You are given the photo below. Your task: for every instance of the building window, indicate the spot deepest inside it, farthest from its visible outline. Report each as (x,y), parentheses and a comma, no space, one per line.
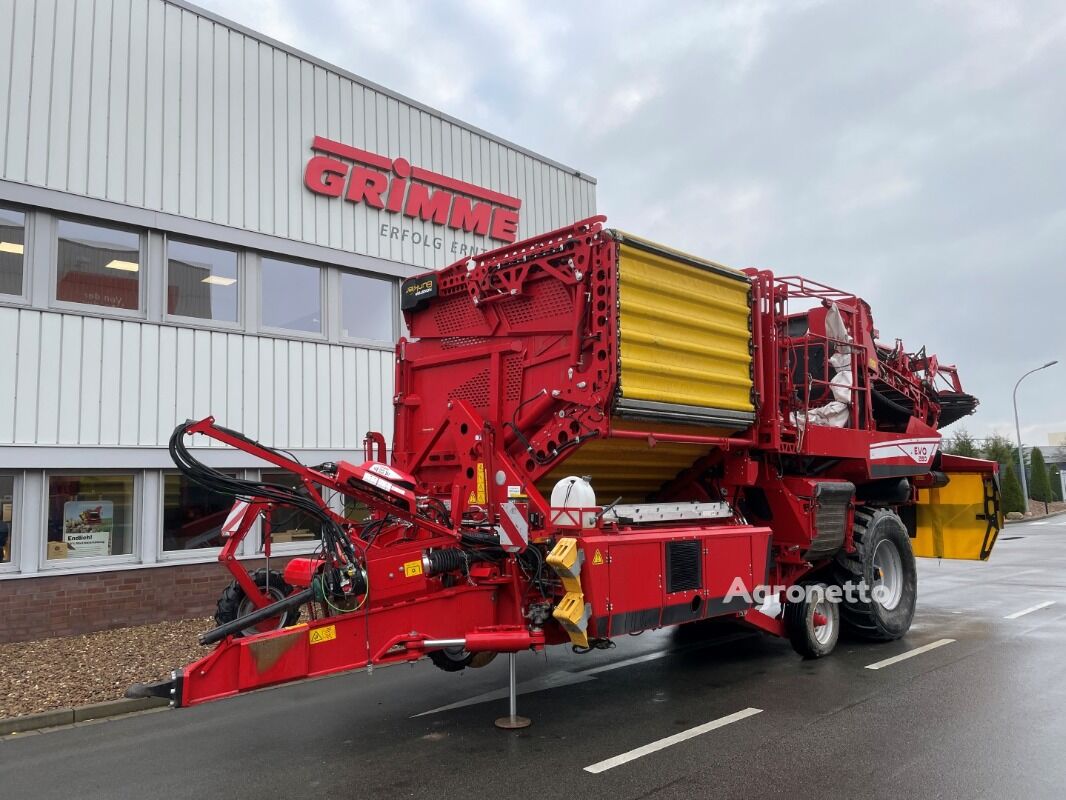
(12,247)
(291,296)
(201,282)
(90,516)
(98,266)
(367,308)
(192,515)
(7,515)
(287,524)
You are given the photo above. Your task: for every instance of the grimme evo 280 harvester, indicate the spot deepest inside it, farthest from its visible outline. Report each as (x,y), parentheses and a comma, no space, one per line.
(744,430)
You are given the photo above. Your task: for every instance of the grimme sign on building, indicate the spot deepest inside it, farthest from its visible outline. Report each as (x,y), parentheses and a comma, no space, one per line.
(397,187)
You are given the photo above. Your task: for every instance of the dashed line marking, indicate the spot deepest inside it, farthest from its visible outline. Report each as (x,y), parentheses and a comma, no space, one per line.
(917,651)
(677,738)
(1030,610)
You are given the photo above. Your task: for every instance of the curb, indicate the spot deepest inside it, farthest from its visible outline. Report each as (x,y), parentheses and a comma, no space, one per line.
(1034,519)
(68,716)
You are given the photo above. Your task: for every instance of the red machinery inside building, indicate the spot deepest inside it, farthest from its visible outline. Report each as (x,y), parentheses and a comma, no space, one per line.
(597,435)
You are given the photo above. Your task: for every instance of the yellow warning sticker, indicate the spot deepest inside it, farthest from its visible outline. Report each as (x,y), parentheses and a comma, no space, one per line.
(597,558)
(412,568)
(326,634)
(482,494)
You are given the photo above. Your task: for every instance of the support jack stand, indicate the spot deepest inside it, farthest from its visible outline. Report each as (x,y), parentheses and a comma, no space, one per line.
(513,722)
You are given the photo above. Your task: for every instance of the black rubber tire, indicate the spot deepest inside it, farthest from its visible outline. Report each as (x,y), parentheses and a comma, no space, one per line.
(455,659)
(800,627)
(451,659)
(871,620)
(229,604)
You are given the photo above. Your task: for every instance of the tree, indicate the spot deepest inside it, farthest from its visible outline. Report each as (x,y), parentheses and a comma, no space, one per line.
(999,448)
(1012,491)
(1039,485)
(962,444)
(1056,482)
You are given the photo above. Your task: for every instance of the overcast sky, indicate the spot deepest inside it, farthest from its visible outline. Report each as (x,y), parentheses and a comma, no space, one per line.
(914,153)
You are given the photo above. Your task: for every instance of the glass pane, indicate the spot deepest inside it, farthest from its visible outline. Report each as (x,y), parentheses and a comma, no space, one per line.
(98,266)
(192,516)
(292,296)
(7,508)
(12,244)
(367,307)
(288,524)
(90,516)
(201,282)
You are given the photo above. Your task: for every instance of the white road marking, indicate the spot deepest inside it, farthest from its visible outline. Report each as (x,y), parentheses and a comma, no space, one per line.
(917,651)
(554,680)
(677,738)
(1030,610)
(550,681)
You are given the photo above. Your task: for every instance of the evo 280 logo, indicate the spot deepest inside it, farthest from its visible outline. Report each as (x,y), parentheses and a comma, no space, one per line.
(397,187)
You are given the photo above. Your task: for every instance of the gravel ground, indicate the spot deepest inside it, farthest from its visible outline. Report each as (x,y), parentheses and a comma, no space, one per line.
(73,670)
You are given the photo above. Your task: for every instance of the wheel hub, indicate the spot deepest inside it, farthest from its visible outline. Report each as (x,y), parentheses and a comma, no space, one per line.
(888,575)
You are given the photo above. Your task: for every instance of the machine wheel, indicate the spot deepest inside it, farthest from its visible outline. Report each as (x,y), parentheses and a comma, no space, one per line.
(884,561)
(813,624)
(234,603)
(455,659)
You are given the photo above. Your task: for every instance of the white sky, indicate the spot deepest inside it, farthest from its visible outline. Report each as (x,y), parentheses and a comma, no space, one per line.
(911,152)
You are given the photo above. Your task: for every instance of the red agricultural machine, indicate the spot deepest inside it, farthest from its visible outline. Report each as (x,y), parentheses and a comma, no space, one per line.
(595,436)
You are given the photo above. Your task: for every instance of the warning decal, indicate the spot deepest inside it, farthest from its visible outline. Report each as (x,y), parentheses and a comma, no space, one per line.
(412,568)
(597,558)
(326,634)
(481,495)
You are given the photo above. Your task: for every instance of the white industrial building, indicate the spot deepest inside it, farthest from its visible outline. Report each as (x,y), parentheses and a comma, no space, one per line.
(190,225)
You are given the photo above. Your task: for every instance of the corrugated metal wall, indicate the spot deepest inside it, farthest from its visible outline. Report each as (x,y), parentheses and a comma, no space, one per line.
(90,381)
(149,104)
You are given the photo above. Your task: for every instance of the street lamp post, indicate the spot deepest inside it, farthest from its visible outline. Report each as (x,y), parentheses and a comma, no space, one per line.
(1018,431)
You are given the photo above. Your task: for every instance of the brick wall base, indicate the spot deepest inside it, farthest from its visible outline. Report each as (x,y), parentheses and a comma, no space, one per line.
(65,605)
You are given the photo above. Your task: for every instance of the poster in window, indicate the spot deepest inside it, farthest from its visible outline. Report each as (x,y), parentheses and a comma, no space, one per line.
(87,526)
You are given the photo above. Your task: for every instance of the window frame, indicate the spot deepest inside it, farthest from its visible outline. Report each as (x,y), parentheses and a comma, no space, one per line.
(29,219)
(13,563)
(199,322)
(199,554)
(141,312)
(394,307)
(63,564)
(254,542)
(323,300)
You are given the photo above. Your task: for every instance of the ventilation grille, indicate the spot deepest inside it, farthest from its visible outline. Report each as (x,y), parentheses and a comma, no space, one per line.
(551,299)
(682,566)
(474,391)
(457,315)
(512,370)
(453,342)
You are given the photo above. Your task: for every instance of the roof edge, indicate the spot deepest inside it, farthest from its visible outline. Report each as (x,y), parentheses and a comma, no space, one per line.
(262,37)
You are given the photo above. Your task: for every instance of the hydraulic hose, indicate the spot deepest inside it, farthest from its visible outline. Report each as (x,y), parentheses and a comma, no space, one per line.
(257,616)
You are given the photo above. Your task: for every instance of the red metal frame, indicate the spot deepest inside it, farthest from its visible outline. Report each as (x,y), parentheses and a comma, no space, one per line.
(511,367)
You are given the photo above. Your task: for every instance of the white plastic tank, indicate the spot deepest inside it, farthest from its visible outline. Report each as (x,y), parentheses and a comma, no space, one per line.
(573,492)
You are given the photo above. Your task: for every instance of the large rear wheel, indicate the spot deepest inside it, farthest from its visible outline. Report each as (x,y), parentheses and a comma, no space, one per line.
(882,576)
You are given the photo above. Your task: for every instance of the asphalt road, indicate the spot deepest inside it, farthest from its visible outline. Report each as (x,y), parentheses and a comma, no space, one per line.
(983,715)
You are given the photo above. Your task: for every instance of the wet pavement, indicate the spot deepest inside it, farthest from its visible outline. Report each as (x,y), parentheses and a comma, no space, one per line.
(980,712)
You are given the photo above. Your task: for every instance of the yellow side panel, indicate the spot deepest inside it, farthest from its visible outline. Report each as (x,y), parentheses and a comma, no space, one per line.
(629,468)
(960,520)
(684,332)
